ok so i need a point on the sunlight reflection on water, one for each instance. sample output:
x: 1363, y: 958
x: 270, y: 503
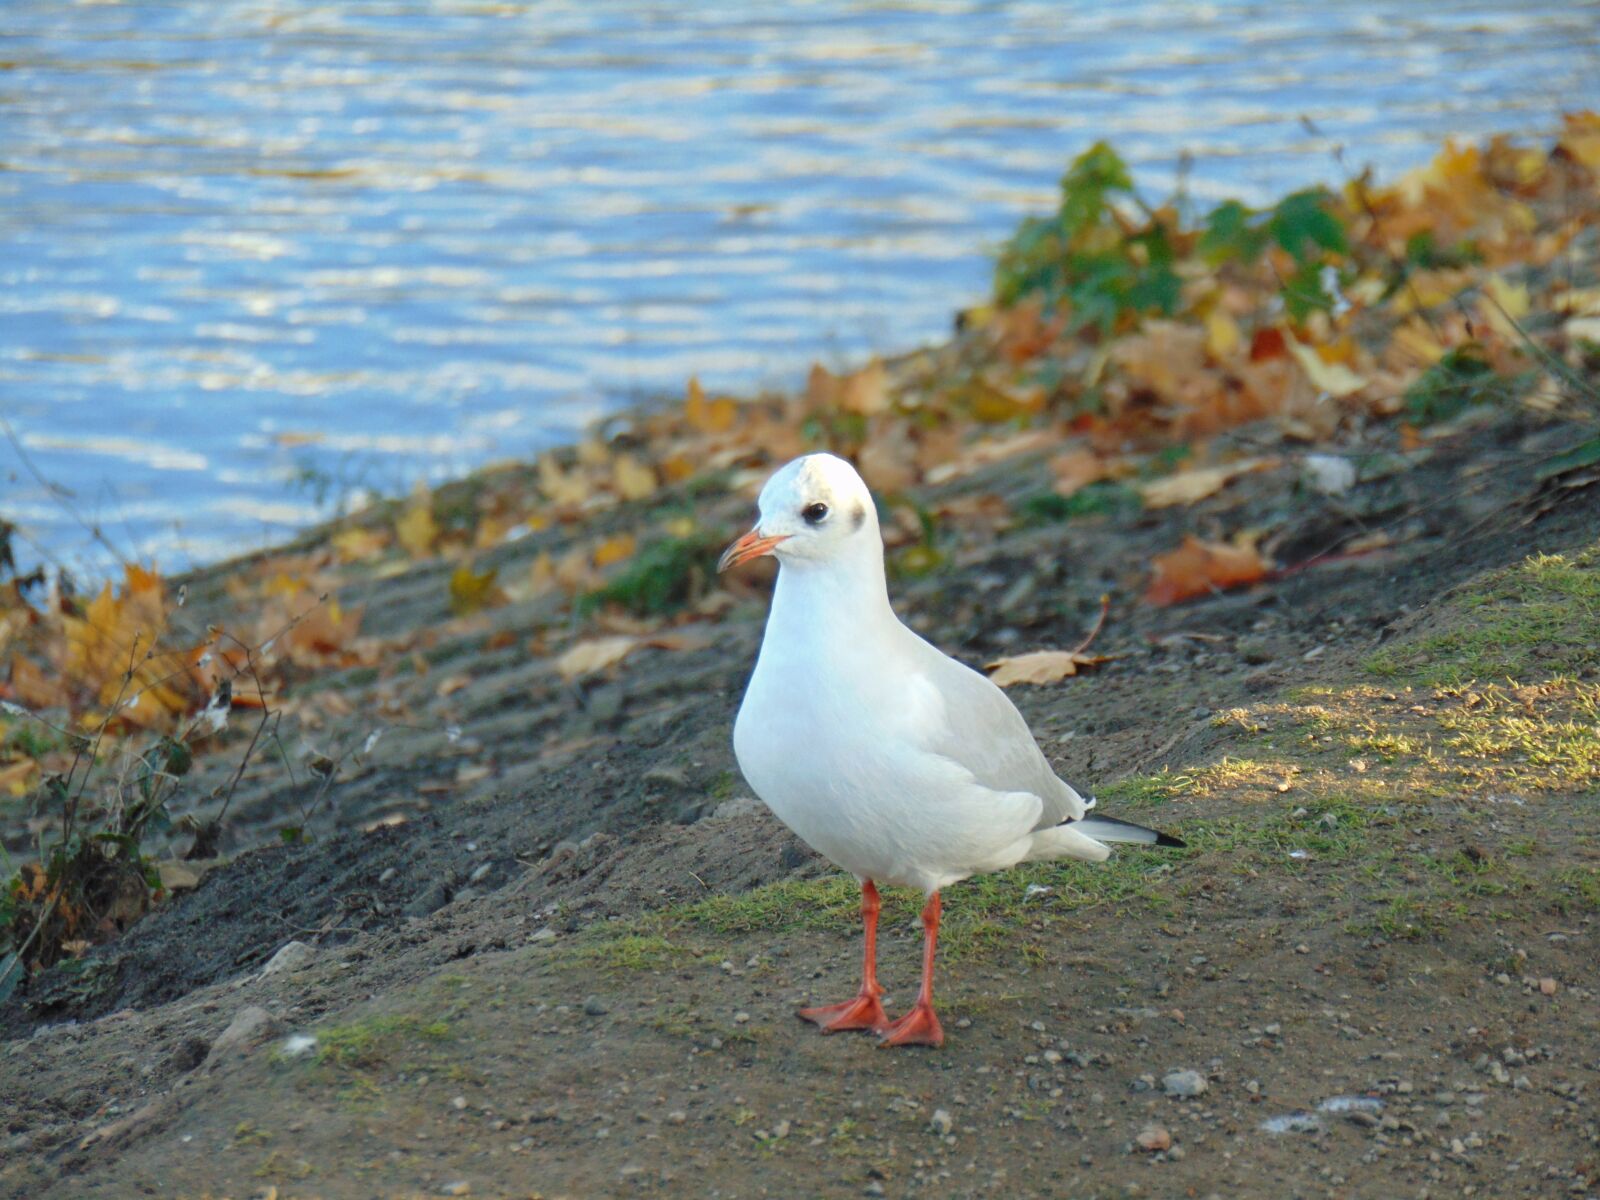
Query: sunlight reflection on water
x: 391, y: 240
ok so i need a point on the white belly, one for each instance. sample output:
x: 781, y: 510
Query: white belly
x: 871, y: 800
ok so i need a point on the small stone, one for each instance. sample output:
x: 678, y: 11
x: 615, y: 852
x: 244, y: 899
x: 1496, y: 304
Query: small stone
x: 781, y: 1130
x: 388, y: 874
x: 741, y: 1018
x: 1184, y: 1084
x: 1302, y: 948
x: 480, y: 872
x: 290, y: 957
x: 1548, y: 986
x: 941, y: 1122
x: 873, y: 1189
x: 250, y: 1027
x: 595, y: 1007
x: 459, y: 1188
x: 1175, y: 1154
x: 459, y: 1103
x: 1153, y: 1139
x: 677, y: 1117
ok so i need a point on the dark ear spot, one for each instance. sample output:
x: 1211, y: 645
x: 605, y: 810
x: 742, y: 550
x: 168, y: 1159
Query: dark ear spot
x: 858, y: 517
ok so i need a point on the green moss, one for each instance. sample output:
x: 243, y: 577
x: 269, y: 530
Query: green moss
x: 370, y: 1042
x: 1104, y: 498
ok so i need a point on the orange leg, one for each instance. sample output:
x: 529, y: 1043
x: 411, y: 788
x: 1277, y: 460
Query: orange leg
x: 920, y: 1026
x: 865, y: 1011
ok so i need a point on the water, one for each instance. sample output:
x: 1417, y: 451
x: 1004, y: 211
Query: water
x: 364, y: 243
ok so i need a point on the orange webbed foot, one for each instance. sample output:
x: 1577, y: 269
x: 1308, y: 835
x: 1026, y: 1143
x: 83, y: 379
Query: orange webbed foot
x: 919, y: 1027
x: 864, y: 1012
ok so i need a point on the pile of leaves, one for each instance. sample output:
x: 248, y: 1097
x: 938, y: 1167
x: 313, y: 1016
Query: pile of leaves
x: 104, y: 703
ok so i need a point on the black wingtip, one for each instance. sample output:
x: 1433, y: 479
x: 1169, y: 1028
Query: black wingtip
x: 1166, y: 839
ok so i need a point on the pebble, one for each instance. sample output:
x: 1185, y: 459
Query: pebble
x: 1184, y: 1084
x: 1153, y: 1139
x: 459, y: 1188
x: 1548, y: 986
x: 873, y: 1189
x: 478, y: 874
x: 677, y: 1117
x: 941, y: 1122
x: 741, y: 1017
x: 291, y: 956
x: 595, y: 1007
x: 249, y: 1027
x: 388, y: 874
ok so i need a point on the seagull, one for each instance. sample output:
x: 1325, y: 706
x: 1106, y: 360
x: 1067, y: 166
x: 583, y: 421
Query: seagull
x: 894, y: 761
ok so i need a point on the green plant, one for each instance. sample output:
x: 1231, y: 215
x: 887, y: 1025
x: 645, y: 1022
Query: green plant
x: 1460, y: 380
x: 661, y: 578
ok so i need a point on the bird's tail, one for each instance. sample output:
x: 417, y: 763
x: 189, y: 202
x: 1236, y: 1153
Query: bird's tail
x: 1110, y: 829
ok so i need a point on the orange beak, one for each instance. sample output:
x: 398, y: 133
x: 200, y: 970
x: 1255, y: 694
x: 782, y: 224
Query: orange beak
x: 751, y: 545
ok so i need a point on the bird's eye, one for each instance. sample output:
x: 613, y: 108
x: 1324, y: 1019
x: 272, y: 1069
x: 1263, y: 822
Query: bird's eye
x: 813, y: 513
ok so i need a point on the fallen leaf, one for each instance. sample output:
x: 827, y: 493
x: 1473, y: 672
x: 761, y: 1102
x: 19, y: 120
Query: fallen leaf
x: 1186, y: 487
x: 632, y: 479
x: 1075, y: 469
x: 1197, y: 568
x: 416, y: 528
x: 470, y: 592
x: 1042, y: 666
x: 594, y: 654
x: 1335, y: 379
x: 357, y: 544
x: 709, y: 416
x: 614, y: 549
x: 14, y: 777
x: 1223, y: 338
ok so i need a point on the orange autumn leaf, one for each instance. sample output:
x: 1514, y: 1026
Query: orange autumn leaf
x: 1042, y: 666
x: 709, y: 416
x: 1198, y: 568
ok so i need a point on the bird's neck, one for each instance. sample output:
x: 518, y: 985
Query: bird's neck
x: 818, y: 600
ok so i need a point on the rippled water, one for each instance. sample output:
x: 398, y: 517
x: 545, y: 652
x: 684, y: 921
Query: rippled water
x: 242, y: 240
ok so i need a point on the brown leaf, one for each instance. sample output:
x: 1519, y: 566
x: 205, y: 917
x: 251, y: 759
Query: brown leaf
x: 594, y: 654
x: 1042, y: 666
x: 1076, y: 469
x: 709, y: 416
x: 1186, y: 487
x: 1197, y: 568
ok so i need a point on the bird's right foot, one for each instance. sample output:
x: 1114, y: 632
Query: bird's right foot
x: 864, y: 1012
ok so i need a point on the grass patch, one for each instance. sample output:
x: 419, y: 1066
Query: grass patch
x: 1528, y: 622
x: 371, y: 1042
x: 1103, y: 498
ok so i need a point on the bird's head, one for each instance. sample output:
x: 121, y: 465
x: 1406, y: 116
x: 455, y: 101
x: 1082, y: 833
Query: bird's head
x: 814, y: 509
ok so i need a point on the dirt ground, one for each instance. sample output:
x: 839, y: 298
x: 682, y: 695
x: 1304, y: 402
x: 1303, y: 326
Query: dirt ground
x: 558, y: 953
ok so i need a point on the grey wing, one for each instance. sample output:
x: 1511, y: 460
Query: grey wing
x: 992, y: 740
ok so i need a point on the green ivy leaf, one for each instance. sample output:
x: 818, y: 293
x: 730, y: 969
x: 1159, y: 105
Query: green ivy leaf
x: 1303, y: 226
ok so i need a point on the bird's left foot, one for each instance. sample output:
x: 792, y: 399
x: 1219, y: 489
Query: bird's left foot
x: 919, y: 1027
x: 864, y: 1012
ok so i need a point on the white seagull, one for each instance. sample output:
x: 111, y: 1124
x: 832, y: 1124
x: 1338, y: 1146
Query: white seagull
x: 886, y: 756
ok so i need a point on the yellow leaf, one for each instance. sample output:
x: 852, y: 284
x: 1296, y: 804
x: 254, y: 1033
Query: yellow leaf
x: 1503, y: 304
x: 594, y: 654
x: 470, y: 591
x: 593, y: 453
x: 561, y: 487
x: 14, y: 777
x: 1581, y: 138
x: 709, y: 416
x: 1416, y: 343
x: 1222, y: 335
x: 680, y: 527
x: 416, y: 528
x: 614, y: 549
x: 356, y: 544
x: 632, y: 479
x: 1335, y: 379
x: 1042, y: 666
